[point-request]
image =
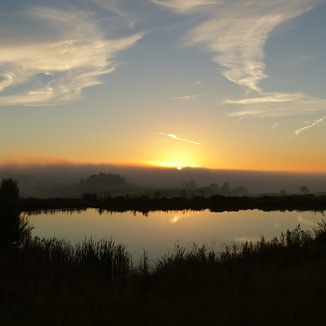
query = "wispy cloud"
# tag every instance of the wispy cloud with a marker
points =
(235, 32)
(275, 125)
(185, 6)
(177, 138)
(114, 6)
(189, 97)
(300, 59)
(299, 131)
(55, 65)
(240, 119)
(287, 108)
(269, 98)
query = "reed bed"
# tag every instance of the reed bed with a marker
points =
(280, 281)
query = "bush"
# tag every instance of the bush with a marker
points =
(14, 227)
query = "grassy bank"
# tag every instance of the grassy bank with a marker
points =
(277, 282)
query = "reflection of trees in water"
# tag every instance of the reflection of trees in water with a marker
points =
(68, 211)
(216, 203)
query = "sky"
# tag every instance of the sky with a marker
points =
(218, 84)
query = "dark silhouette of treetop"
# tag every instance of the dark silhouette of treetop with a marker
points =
(189, 185)
(103, 182)
(105, 179)
(13, 227)
(225, 189)
(9, 190)
(305, 190)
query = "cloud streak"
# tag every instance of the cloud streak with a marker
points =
(114, 6)
(185, 6)
(299, 131)
(235, 32)
(240, 119)
(306, 104)
(177, 138)
(189, 97)
(53, 67)
(269, 98)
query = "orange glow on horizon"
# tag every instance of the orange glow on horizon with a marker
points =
(25, 159)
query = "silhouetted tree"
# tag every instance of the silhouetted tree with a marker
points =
(9, 190)
(102, 182)
(240, 191)
(305, 190)
(189, 185)
(14, 228)
(89, 197)
(105, 178)
(225, 189)
(214, 187)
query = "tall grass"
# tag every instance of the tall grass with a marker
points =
(280, 281)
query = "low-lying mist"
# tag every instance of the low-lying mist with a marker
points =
(50, 180)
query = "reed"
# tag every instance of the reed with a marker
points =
(280, 281)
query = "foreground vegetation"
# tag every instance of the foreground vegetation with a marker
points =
(276, 282)
(280, 281)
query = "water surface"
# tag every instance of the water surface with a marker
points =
(158, 231)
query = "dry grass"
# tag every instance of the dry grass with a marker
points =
(276, 282)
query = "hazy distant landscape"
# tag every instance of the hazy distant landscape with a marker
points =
(65, 180)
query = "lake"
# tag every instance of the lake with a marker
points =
(157, 232)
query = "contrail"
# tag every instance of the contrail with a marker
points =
(177, 138)
(240, 119)
(297, 132)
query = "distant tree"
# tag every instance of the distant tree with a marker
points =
(214, 187)
(305, 190)
(225, 189)
(102, 182)
(106, 195)
(183, 193)
(282, 192)
(14, 228)
(240, 192)
(89, 197)
(189, 185)
(105, 178)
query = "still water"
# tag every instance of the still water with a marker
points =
(158, 231)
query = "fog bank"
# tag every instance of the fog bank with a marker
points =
(41, 180)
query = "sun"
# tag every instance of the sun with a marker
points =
(178, 166)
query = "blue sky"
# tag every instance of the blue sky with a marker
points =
(211, 83)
